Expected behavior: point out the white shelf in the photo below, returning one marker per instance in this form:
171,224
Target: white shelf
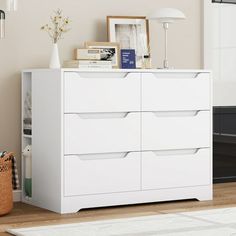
26,138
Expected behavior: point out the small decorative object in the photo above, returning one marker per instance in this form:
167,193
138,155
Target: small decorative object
166,16
2,24
55,60
147,63
59,26
27,122
109,51
128,59
27,154
132,32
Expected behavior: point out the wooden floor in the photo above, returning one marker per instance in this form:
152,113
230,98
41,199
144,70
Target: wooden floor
26,216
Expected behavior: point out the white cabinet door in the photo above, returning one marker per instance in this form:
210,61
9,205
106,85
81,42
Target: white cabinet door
97,174
102,92
175,91
102,133
175,130
179,168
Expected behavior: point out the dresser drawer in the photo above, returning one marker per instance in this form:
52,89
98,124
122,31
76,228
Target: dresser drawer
175,91
175,130
102,92
102,133
96,174
173,169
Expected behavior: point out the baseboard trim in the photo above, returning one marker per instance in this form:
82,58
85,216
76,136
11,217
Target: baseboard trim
17,195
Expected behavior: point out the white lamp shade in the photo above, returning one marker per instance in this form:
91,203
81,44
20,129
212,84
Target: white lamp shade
12,5
166,15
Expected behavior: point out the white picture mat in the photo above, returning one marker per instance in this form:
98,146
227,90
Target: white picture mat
142,43
115,59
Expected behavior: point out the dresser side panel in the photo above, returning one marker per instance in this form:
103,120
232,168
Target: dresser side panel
47,140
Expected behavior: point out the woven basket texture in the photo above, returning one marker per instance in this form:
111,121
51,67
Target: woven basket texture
6,193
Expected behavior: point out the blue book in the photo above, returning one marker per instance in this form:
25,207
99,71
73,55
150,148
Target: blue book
128,59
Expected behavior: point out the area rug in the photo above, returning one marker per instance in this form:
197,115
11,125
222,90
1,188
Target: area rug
219,222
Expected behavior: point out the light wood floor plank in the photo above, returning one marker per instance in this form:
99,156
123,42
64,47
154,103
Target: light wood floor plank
28,216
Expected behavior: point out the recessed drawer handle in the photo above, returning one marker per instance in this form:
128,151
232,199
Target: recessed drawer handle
100,75
177,152
160,75
202,76
176,113
105,156
112,115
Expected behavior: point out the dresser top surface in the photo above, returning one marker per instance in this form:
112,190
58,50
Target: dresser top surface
120,70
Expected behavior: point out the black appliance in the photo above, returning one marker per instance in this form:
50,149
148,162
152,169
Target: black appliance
224,144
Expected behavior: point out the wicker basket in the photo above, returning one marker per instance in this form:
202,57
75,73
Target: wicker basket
6,193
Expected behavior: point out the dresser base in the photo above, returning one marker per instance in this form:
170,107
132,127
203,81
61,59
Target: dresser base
76,203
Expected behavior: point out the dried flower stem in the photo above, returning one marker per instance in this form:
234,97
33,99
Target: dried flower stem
59,26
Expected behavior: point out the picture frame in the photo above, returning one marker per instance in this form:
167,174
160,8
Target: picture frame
111,51
131,32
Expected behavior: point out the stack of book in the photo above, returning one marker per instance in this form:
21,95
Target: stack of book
88,58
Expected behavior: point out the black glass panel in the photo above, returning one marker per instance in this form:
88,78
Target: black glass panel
224,144
225,1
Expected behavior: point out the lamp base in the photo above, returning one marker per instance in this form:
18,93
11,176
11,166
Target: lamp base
170,68
166,64
166,68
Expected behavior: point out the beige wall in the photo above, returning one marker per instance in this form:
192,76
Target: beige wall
26,46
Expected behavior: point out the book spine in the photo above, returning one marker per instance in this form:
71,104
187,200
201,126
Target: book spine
91,62
87,64
95,66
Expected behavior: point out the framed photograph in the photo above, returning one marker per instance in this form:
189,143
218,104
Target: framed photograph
131,32
109,51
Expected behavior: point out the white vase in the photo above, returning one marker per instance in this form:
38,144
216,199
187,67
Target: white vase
55,61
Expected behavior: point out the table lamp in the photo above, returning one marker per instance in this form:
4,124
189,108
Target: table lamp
166,16
11,6
2,24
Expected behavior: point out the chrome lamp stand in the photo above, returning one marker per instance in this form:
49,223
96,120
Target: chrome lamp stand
166,62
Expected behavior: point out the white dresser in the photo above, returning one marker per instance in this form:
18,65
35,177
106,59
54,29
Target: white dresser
114,137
